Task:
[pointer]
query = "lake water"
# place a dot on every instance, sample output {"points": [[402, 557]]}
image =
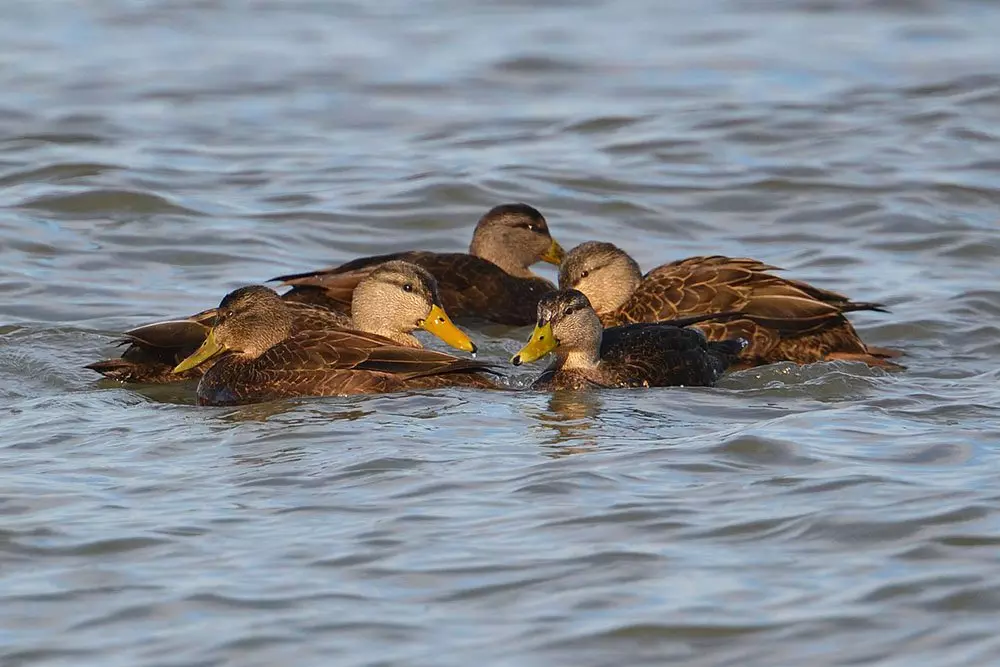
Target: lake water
{"points": [[155, 154]]}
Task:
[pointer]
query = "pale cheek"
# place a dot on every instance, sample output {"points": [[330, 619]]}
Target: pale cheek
{"points": [[587, 286], [222, 336], [417, 306]]}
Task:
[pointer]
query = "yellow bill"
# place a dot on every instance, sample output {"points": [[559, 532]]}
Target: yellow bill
{"points": [[555, 254], [541, 343], [208, 350], [439, 324]]}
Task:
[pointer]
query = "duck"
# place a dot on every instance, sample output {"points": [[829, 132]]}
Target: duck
{"points": [[660, 354], [393, 300], [253, 354], [492, 282], [785, 319]]}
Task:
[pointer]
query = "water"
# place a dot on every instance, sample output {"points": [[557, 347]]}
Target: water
{"points": [[154, 155]]}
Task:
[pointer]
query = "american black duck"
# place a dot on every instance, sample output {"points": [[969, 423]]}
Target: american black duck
{"points": [[493, 281], [393, 300], [254, 354], [787, 320], [658, 354]]}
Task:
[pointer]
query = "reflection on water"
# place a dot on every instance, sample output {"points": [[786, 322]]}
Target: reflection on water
{"points": [[567, 422], [276, 457], [290, 411], [155, 155]]}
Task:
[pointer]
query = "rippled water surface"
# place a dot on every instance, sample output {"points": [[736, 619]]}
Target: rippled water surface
{"points": [[155, 154]]}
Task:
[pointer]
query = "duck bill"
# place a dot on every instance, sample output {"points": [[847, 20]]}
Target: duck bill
{"points": [[555, 254], [541, 343], [439, 324], [206, 317], [208, 350]]}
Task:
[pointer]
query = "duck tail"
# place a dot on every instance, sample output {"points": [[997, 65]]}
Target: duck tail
{"points": [[885, 352], [115, 369], [124, 370], [853, 306]]}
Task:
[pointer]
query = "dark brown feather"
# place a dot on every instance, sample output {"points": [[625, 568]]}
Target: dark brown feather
{"points": [[661, 354], [470, 286], [335, 362], [154, 349]]}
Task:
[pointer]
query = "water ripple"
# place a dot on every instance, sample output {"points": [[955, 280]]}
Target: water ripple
{"points": [[829, 513]]}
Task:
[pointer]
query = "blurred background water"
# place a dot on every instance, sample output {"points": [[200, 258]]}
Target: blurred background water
{"points": [[155, 154]]}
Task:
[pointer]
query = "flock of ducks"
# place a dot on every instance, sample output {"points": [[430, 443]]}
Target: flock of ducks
{"points": [[349, 329]]}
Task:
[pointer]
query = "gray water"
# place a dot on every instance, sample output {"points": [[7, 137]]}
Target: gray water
{"points": [[155, 154]]}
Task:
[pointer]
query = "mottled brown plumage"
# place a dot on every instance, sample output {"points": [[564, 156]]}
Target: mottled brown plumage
{"points": [[658, 354], [492, 282], [786, 320], [154, 349], [260, 358], [393, 300]]}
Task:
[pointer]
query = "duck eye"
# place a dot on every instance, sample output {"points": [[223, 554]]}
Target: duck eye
{"points": [[584, 274], [531, 227], [408, 287], [568, 311]]}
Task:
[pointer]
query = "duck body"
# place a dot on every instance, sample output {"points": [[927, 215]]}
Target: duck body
{"points": [[394, 299], [785, 319], [471, 287], [337, 362], [253, 351], [648, 355], [155, 349], [493, 281]]}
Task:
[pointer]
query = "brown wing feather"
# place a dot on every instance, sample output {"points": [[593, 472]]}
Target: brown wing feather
{"points": [[355, 265], [333, 288], [722, 260], [761, 341], [346, 349], [335, 362], [785, 319], [154, 349], [306, 317], [168, 334], [469, 286]]}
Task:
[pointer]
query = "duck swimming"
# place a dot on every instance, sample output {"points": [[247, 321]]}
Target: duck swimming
{"points": [[493, 281], [392, 301], [788, 320], [254, 354], [635, 355]]}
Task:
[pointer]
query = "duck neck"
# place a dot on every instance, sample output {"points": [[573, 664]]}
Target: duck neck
{"points": [[266, 334], [579, 360], [484, 249], [610, 289], [373, 323], [617, 294], [584, 354]]}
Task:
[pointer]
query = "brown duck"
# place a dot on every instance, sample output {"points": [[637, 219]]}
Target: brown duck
{"points": [[786, 320], [393, 300], [493, 281], [254, 354], [658, 354]]}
